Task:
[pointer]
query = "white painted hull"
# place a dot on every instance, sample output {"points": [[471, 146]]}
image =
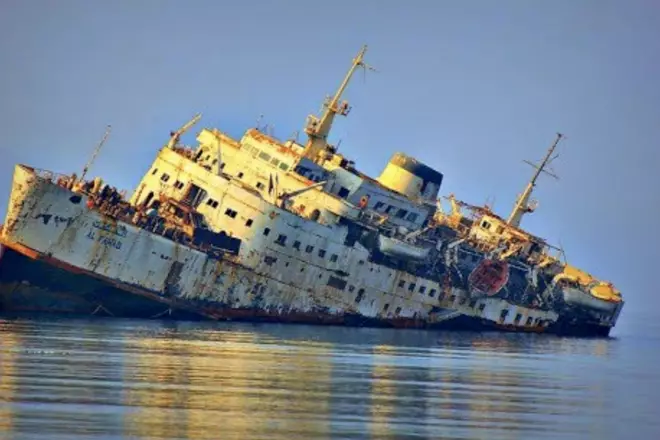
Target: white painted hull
{"points": [[43, 220]]}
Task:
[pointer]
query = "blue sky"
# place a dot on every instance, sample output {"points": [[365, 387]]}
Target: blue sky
{"points": [[469, 87]]}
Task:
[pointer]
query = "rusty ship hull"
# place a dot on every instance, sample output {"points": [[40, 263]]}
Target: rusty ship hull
{"points": [[61, 256]]}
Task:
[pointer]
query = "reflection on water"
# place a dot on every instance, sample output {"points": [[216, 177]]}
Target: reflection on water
{"points": [[104, 379]]}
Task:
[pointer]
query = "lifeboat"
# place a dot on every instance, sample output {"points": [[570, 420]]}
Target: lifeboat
{"points": [[398, 248], [489, 277]]}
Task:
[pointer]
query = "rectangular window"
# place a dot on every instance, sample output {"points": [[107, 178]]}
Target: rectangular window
{"points": [[260, 185], [249, 222], [343, 192], [397, 311], [296, 245], [402, 283], [334, 258], [281, 240], [387, 306], [401, 213], [265, 156], [359, 296], [154, 171], [231, 213], [165, 177], [309, 249], [284, 166], [529, 321], [378, 205], [412, 217], [482, 306], [422, 289], [432, 293], [275, 161], [321, 253], [266, 231], [269, 260], [411, 287], [517, 319], [337, 283]]}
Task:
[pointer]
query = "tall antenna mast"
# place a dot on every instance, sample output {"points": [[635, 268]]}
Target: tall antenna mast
{"points": [[318, 128], [523, 205], [96, 152]]}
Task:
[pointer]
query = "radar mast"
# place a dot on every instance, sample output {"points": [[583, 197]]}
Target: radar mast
{"points": [[523, 205], [318, 129]]}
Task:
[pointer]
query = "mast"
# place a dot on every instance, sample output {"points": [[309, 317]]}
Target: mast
{"points": [[95, 153], [176, 135], [523, 206], [317, 129]]}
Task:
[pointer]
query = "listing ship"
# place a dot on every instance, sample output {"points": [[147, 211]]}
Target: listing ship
{"points": [[269, 230]]}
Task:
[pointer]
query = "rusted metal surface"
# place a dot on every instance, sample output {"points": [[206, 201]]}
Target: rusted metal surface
{"points": [[46, 222]]}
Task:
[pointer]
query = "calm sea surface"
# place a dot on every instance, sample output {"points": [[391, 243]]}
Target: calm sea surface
{"points": [[115, 379]]}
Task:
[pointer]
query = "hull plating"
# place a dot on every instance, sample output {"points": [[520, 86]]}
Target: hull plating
{"points": [[121, 270]]}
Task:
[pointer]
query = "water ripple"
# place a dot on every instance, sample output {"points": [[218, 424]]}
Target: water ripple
{"points": [[115, 379]]}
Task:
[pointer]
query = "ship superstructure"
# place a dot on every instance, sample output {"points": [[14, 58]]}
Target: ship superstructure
{"points": [[259, 228]]}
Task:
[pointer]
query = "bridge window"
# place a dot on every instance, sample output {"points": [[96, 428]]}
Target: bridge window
{"points": [[412, 217], [265, 156]]}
